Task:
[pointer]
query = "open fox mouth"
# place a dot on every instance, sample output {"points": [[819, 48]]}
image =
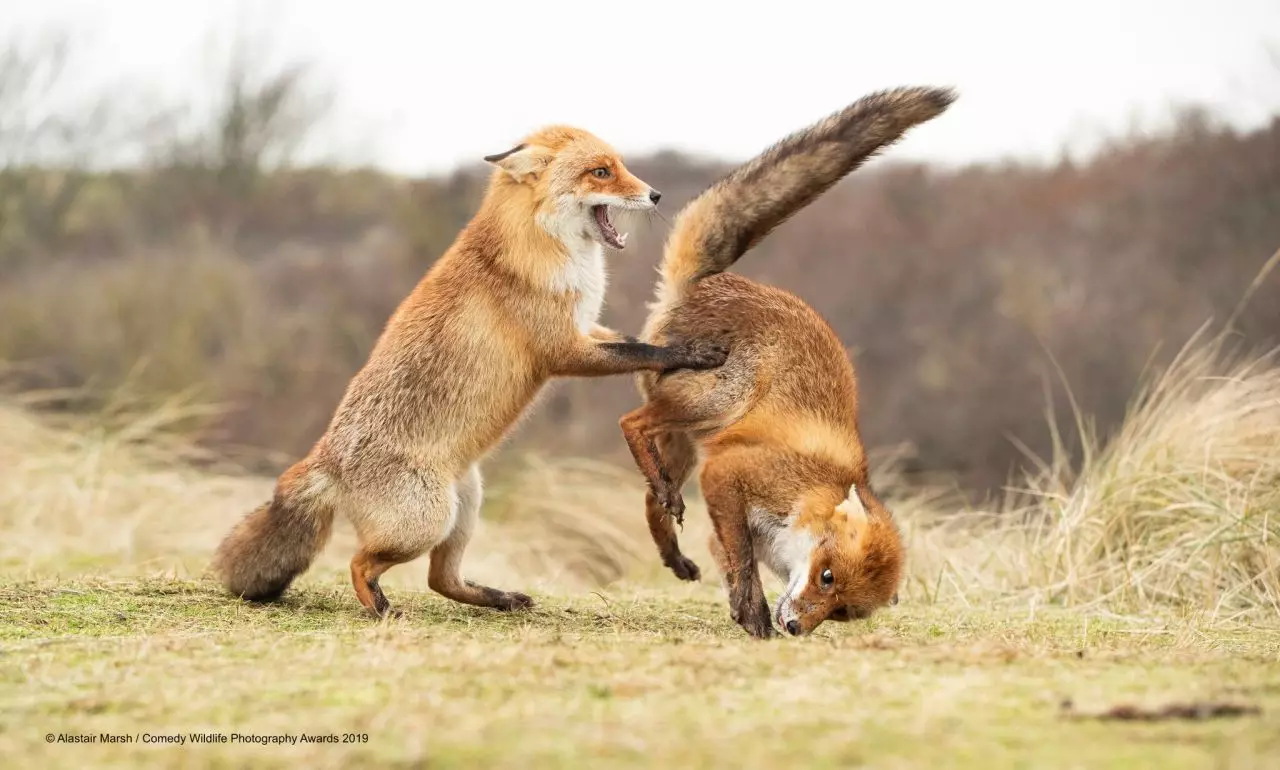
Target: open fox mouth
{"points": [[607, 231]]}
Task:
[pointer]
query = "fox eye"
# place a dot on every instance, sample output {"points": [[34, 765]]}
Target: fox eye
{"points": [[827, 578], [600, 173]]}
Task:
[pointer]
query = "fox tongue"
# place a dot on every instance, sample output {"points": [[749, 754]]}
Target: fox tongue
{"points": [[607, 229]]}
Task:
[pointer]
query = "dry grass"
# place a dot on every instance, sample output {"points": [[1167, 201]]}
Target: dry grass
{"points": [[117, 503], [630, 678], [1180, 510], [1148, 575]]}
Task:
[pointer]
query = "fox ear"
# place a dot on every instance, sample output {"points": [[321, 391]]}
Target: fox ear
{"points": [[853, 508], [523, 162]]}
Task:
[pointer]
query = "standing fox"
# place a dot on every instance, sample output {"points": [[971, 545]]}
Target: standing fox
{"points": [[511, 304], [784, 472]]}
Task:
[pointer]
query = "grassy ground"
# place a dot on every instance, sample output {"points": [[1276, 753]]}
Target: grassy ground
{"points": [[631, 677], [1148, 575]]}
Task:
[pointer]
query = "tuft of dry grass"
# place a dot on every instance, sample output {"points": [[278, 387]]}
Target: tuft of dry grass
{"points": [[1179, 510]]}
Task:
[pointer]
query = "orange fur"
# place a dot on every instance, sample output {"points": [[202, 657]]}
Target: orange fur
{"points": [[784, 471], [512, 303]]}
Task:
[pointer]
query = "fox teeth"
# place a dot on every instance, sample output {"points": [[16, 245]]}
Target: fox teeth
{"points": [[622, 238]]}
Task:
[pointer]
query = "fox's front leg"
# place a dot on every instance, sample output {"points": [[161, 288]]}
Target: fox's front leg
{"points": [[599, 354], [736, 554]]}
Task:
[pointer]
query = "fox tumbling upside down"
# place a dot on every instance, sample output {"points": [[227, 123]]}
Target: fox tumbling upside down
{"points": [[784, 472], [511, 304]]}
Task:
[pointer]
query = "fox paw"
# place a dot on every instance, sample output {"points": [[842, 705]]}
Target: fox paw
{"points": [[683, 567], [512, 600], [702, 354], [760, 628], [673, 503], [754, 619]]}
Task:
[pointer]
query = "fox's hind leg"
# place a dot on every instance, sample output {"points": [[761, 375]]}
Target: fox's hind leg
{"points": [[366, 568], [399, 511], [690, 403], [445, 576], [661, 437], [643, 429], [666, 458], [415, 512], [676, 457], [640, 429]]}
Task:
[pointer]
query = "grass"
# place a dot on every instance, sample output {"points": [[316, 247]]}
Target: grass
{"points": [[1144, 577], [627, 678], [1179, 510]]}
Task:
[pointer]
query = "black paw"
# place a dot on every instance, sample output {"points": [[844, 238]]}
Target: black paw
{"points": [[754, 619], [702, 355], [759, 627], [510, 601], [683, 567]]}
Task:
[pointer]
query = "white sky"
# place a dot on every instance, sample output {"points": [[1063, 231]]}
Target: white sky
{"points": [[426, 85]]}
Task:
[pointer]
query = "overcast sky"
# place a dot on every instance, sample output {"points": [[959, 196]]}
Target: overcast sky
{"points": [[426, 85]]}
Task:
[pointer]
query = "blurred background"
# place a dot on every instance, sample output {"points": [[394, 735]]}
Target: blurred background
{"points": [[217, 204]]}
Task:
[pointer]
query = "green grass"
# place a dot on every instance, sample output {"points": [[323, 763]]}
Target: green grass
{"points": [[1145, 576], [632, 677]]}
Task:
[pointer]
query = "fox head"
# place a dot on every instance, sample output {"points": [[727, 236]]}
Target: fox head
{"points": [[853, 567], [577, 183]]}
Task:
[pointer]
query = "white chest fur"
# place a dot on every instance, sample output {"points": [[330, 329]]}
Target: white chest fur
{"points": [[784, 548], [583, 275]]}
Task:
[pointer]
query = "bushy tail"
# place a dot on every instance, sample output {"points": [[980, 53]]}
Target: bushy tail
{"points": [[271, 546], [715, 229]]}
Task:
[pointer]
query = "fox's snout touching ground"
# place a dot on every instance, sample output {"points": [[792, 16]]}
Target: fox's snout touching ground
{"points": [[512, 303], [784, 472], [853, 566]]}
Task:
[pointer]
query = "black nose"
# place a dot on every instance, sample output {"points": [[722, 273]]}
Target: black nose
{"points": [[655, 196], [793, 627]]}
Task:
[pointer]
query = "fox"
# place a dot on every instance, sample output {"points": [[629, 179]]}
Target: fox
{"points": [[774, 430], [513, 303]]}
